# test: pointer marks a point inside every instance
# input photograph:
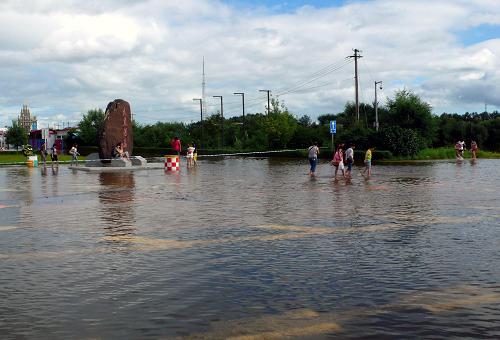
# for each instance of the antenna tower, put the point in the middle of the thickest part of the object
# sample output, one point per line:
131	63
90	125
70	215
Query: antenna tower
204	102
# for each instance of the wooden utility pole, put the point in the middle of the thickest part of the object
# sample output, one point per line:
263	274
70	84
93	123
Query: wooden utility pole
356	56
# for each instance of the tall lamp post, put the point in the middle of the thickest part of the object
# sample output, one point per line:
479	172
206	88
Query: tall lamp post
243	108
376	104
201	119
222	118
268	103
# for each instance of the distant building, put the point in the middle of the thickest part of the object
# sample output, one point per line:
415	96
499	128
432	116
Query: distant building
26	121
54	137
3	143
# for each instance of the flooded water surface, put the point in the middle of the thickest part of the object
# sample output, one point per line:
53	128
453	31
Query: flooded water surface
249	249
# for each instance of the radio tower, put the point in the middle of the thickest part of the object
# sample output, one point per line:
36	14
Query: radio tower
204	103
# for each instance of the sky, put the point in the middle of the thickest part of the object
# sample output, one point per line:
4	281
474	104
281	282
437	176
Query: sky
63	58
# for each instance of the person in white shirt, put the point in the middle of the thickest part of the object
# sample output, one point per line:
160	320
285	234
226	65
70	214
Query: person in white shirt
313	152
190	155
74	154
349	158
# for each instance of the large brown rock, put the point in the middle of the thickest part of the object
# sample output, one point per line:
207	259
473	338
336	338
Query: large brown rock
117	127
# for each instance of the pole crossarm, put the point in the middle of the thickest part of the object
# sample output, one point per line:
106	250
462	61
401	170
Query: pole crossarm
356	56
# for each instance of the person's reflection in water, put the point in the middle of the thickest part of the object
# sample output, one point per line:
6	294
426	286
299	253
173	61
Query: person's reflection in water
116	197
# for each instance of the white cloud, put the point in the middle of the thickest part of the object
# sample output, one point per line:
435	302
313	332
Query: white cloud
70	56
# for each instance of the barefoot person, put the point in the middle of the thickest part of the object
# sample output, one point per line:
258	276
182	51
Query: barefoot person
349	158
368	162
43	153
190	155
473	149
313	152
120	153
338	161
458	150
53	156
74	154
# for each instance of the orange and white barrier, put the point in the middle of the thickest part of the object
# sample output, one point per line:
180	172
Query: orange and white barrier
32	161
172	163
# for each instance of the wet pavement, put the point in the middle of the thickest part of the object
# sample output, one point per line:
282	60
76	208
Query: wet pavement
251	248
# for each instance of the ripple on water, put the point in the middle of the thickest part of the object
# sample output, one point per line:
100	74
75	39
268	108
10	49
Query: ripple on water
251	248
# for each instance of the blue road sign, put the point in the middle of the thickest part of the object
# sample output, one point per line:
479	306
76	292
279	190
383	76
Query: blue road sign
333	126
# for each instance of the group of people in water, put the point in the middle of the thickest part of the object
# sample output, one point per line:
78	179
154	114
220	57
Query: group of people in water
460	148
341	157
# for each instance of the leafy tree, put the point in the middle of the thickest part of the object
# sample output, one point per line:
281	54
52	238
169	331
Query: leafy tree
400	141
305	120
16	135
281	125
408	111
90	127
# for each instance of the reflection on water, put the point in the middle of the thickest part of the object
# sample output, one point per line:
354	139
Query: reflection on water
251	249
116	198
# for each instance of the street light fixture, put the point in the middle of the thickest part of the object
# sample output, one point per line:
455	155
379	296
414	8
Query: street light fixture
222	118
201	119
243	106
376	104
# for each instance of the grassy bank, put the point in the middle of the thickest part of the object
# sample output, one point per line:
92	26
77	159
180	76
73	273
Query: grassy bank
12	158
445	153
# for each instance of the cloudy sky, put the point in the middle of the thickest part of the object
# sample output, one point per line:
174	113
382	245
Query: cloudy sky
64	57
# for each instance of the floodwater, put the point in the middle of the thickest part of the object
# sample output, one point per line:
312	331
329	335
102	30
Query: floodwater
249	249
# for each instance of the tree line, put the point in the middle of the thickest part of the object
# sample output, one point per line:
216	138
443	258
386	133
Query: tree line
406	122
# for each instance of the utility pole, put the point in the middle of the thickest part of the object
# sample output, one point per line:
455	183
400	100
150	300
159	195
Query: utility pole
243	108
268	102
203	93
222	118
201	119
376	104
356	56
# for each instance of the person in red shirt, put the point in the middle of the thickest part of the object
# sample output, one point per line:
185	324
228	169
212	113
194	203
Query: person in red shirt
176	145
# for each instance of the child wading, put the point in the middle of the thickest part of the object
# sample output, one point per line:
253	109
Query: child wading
368	162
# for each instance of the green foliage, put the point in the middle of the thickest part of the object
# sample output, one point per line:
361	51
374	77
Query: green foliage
281	125
90	127
400	141
484	128
16	135
408	111
27	150
406	126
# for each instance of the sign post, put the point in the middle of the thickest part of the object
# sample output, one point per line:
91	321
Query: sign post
45	136
333	131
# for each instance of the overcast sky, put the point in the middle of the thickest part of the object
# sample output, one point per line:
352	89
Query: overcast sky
63	58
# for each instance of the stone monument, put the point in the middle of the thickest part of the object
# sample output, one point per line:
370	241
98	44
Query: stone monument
117	127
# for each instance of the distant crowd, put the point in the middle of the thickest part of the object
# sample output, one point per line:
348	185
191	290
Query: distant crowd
339	159
460	148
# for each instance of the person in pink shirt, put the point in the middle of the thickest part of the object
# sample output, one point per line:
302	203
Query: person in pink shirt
338	160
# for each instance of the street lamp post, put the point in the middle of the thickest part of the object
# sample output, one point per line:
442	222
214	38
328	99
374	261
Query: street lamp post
201	119
268	103
222	118
243	108
376	104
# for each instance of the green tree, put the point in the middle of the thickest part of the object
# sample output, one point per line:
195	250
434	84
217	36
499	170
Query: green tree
90	126
281	125
400	141
16	135
408	111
